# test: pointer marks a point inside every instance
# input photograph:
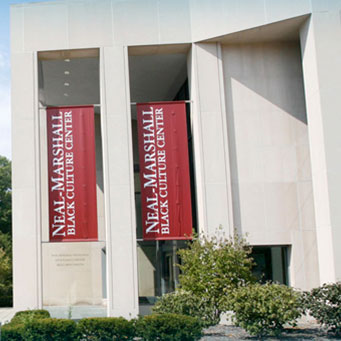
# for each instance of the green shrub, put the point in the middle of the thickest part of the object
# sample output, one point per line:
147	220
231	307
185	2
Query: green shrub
5	273
168	327
213	267
263	309
16	329
29	315
12	332
50	329
186	303
106	328
324	304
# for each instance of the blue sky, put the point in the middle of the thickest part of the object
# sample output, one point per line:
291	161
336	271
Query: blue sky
5	77
5	81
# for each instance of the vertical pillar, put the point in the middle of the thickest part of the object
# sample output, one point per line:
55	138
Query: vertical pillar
118	183
210	139
321	50
25	183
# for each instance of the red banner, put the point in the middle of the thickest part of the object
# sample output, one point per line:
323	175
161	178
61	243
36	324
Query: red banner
72	174
164	171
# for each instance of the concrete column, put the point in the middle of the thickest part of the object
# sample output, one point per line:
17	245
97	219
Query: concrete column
212	168
25	183
321	50
118	183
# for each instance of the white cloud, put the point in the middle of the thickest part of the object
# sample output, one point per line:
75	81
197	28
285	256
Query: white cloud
5	120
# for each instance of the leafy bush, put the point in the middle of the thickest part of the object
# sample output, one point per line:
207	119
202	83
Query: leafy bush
324	304
5	233
213	267
168	327
5	196
12	332
106	328
49	329
165	327
26	316
15	330
263	309
37	327
5	274
185	303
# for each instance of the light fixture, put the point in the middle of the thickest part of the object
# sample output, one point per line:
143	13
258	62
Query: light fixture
66	84
67	60
66	95
66	72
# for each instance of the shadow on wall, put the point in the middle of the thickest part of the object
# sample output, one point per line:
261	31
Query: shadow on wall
265	107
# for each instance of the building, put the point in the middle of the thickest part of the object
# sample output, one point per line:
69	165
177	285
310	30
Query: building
261	81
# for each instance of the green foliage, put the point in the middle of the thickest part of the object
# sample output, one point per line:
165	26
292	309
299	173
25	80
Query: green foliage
106	328
168	327
324	304
26	316
5	233
49	329
5	195
12	332
213	267
36	325
5	272
185	303
263	309
6	242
